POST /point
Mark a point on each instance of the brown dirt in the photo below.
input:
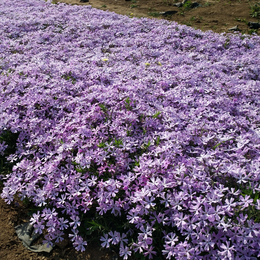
(215, 15)
(11, 248)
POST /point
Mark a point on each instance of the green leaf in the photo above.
(127, 100)
(127, 105)
(128, 132)
(217, 145)
(157, 141)
(118, 142)
(137, 163)
(156, 115)
(94, 225)
(103, 107)
(102, 145)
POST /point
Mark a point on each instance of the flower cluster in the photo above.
(152, 123)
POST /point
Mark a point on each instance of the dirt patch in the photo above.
(216, 15)
(11, 248)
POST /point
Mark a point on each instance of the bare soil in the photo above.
(11, 248)
(216, 15)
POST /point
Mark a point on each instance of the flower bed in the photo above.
(142, 133)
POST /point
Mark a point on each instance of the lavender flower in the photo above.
(149, 123)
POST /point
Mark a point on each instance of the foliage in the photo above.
(141, 133)
(255, 10)
(7, 148)
(187, 5)
(154, 14)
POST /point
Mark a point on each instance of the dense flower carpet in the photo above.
(142, 133)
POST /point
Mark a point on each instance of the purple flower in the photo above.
(38, 227)
(227, 250)
(150, 252)
(3, 146)
(115, 237)
(79, 244)
(171, 239)
(75, 222)
(105, 241)
(245, 201)
(74, 235)
(35, 217)
(62, 223)
(124, 252)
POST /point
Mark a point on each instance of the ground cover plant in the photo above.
(142, 133)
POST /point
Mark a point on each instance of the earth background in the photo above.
(216, 15)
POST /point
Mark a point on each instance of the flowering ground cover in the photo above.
(144, 134)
